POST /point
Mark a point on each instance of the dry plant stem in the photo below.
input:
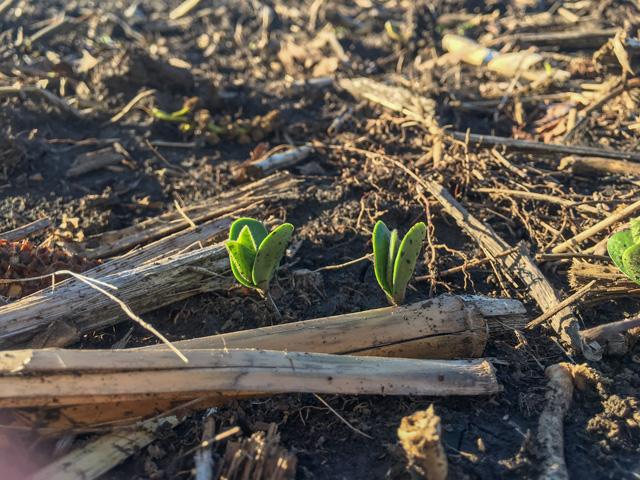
(395, 98)
(26, 230)
(342, 419)
(612, 93)
(594, 166)
(550, 425)
(56, 101)
(564, 322)
(582, 39)
(626, 212)
(355, 261)
(203, 460)
(147, 326)
(554, 257)
(610, 282)
(420, 437)
(76, 308)
(183, 9)
(540, 197)
(567, 302)
(613, 336)
(251, 195)
(447, 326)
(388, 331)
(4, 5)
(101, 455)
(259, 457)
(132, 103)
(466, 266)
(549, 148)
(55, 377)
(91, 161)
(46, 313)
(277, 161)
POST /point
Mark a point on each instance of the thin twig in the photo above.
(471, 264)
(549, 148)
(597, 228)
(368, 256)
(184, 215)
(342, 419)
(132, 103)
(565, 303)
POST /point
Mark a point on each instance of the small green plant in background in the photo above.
(254, 253)
(624, 249)
(395, 261)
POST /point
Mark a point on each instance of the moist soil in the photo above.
(242, 61)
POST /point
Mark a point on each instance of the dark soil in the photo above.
(222, 54)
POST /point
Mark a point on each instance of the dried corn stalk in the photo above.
(260, 457)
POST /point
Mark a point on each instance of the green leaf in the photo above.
(631, 262)
(258, 230)
(238, 275)
(635, 230)
(393, 251)
(616, 246)
(381, 241)
(245, 238)
(405, 262)
(269, 255)
(166, 116)
(241, 259)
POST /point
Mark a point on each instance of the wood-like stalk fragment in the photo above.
(550, 424)
(594, 166)
(445, 327)
(520, 264)
(26, 230)
(615, 336)
(610, 284)
(259, 457)
(250, 196)
(80, 308)
(541, 147)
(91, 161)
(54, 377)
(395, 98)
(274, 162)
(420, 437)
(101, 455)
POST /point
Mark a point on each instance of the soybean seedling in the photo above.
(254, 254)
(624, 249)
(394, 261)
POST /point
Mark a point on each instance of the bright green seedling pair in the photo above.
(624, 249)
(395, 261)
(254, 253)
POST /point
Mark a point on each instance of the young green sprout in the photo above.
(254, 253)
(624, 249)
(395, 262)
